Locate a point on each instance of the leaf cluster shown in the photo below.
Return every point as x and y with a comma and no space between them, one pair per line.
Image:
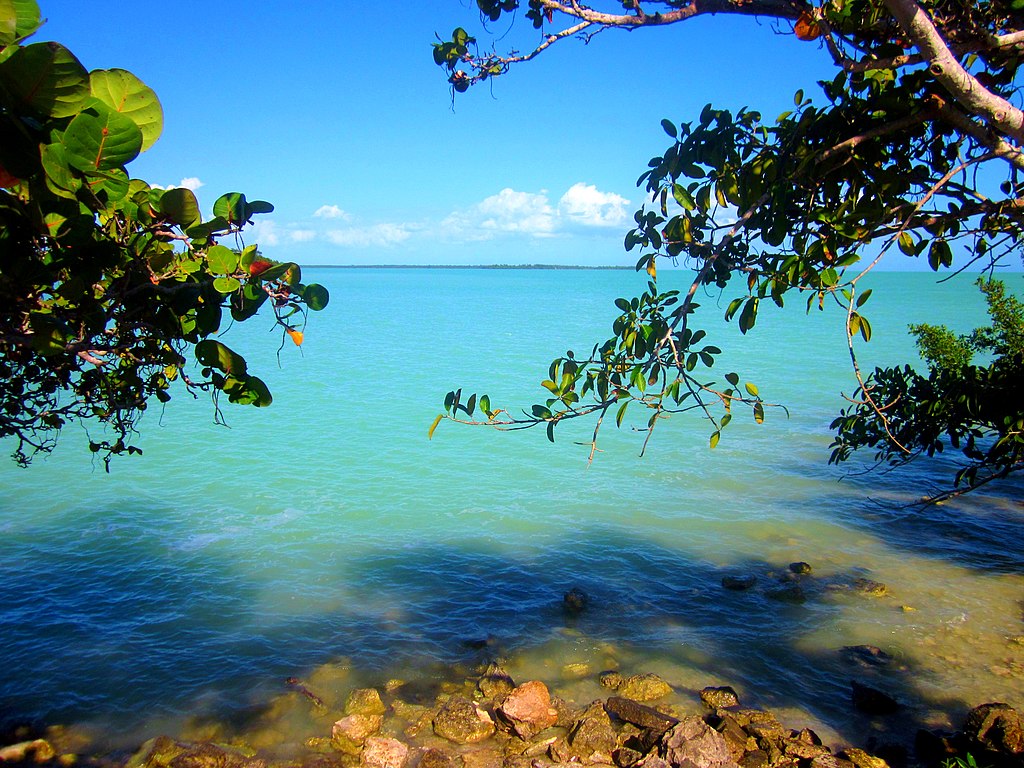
974,408
899,156
106,282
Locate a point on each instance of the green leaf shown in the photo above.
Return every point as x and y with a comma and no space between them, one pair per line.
124,93
315,296
748,316
226,284
28,17
939,255
683,197
101,139
46,78
181,207
485,405
8,22
759,413
715,436
751,389
222,260
621,413
214,354
232,207
55,164
669,127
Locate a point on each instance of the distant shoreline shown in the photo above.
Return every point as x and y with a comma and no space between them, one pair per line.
455,266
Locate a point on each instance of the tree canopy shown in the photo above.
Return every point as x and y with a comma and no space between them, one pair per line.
914,146
111,288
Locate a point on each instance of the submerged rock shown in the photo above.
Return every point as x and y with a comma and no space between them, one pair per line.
575,601
788,593
349,734
720,697
739,583
463,721
866,655
871,701
870,588
644,688
610,679
800,568
36,750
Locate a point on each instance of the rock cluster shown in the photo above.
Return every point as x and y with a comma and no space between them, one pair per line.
524,726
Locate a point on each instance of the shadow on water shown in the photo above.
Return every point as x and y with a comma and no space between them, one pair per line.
144,629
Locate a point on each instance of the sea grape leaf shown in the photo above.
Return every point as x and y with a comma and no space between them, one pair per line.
46,78
101,139
123,92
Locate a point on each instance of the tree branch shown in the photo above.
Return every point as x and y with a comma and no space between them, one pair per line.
958,82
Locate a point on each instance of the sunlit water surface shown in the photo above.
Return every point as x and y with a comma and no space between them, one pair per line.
327,539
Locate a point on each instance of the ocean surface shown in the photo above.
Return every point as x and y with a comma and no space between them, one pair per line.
325,538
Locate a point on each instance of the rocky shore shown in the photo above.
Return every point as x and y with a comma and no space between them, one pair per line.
491,721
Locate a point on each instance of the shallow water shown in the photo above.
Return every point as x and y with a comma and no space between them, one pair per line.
325,538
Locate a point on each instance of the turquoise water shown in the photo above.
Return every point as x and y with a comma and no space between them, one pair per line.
326,533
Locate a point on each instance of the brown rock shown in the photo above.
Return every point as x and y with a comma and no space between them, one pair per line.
694,742
364,701
638,714
527,709
432,757
350,733
481,758
495,682
861,759
736,739
593,739
383,752
996,726
755,758
462,721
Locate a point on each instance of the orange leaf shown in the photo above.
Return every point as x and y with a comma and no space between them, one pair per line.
259,266
296,336
807,28
7,179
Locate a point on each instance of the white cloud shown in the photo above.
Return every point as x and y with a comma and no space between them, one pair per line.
264,232
381,235
331,212
189,182
526,213
584,204
302,235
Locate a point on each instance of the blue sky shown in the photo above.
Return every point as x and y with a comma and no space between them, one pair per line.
337,115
